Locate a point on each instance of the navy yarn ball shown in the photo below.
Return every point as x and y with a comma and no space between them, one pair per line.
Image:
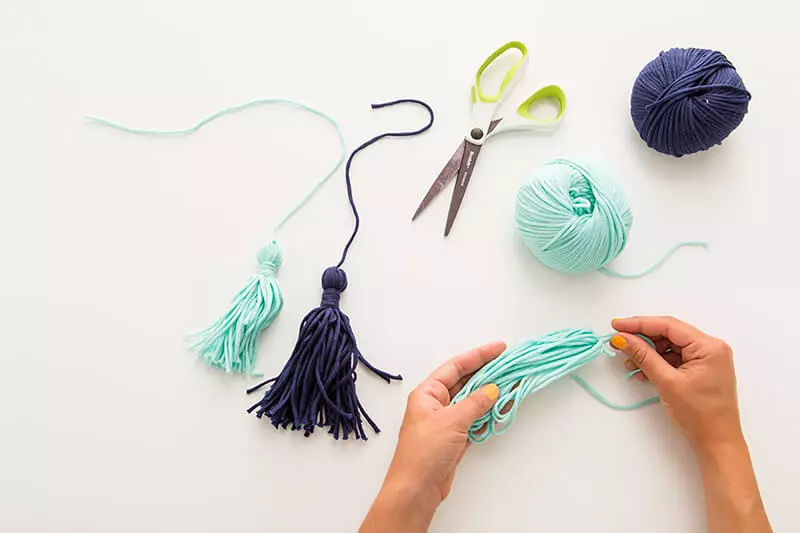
687,100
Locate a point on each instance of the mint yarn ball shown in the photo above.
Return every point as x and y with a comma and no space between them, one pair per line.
573,217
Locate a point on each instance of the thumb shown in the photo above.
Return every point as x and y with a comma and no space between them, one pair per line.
475,405
655,367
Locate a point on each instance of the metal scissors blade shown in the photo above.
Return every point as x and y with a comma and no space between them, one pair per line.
471,152
447,174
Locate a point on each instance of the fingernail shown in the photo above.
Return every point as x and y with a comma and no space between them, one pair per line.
615,319
618,342
491,391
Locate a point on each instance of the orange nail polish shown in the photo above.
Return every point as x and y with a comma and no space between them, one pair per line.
618,342
492,391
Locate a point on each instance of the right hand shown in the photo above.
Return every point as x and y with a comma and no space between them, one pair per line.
692,372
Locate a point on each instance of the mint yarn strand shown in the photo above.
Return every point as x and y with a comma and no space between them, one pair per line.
615,274
530,366
608,403
236,109
231,343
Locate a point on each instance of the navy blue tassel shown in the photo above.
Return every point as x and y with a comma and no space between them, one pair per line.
317,387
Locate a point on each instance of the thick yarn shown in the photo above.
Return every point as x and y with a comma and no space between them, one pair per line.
687,100
317,387
530,366
231,343
576,218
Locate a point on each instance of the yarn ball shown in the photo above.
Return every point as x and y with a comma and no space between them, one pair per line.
687,100
574,217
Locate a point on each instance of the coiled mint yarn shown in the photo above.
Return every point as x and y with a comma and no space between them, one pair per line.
576,218
573,218
532,365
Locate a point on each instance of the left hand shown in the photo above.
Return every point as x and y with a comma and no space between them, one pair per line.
432,441
433,437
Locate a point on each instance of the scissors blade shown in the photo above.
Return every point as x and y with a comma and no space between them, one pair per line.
471,152
447,174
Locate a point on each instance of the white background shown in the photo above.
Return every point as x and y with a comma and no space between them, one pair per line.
115,246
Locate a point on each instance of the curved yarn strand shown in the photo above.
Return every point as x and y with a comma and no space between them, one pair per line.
236,109
656,265
369,143
608,403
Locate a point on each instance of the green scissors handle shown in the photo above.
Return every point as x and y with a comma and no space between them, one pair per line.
516,71
523,119
485,106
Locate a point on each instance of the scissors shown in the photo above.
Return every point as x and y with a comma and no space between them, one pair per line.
486,124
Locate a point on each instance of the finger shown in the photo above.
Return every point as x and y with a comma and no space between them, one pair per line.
430,388
679,333
643,355
456,368
631,366
475,405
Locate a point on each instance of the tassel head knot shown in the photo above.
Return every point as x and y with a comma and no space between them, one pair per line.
334,281
270,258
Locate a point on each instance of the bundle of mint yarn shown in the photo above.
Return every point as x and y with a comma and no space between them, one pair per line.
575,218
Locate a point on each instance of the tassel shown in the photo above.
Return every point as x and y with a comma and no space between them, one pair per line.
317,387
231,342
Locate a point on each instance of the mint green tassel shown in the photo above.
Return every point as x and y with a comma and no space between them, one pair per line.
231,342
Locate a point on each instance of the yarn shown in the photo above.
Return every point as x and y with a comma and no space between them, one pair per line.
317,387
532,365
231,343
576,218
687,100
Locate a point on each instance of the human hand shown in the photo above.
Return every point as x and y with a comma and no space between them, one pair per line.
433,437
432,441
692,371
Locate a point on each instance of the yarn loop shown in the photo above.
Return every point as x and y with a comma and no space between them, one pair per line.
532,365
687,100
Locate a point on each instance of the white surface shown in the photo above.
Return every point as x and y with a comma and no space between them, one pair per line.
115,246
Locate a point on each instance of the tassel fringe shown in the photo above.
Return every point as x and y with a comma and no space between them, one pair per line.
231,342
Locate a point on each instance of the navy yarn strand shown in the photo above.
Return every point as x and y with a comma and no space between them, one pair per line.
365,145
317,386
